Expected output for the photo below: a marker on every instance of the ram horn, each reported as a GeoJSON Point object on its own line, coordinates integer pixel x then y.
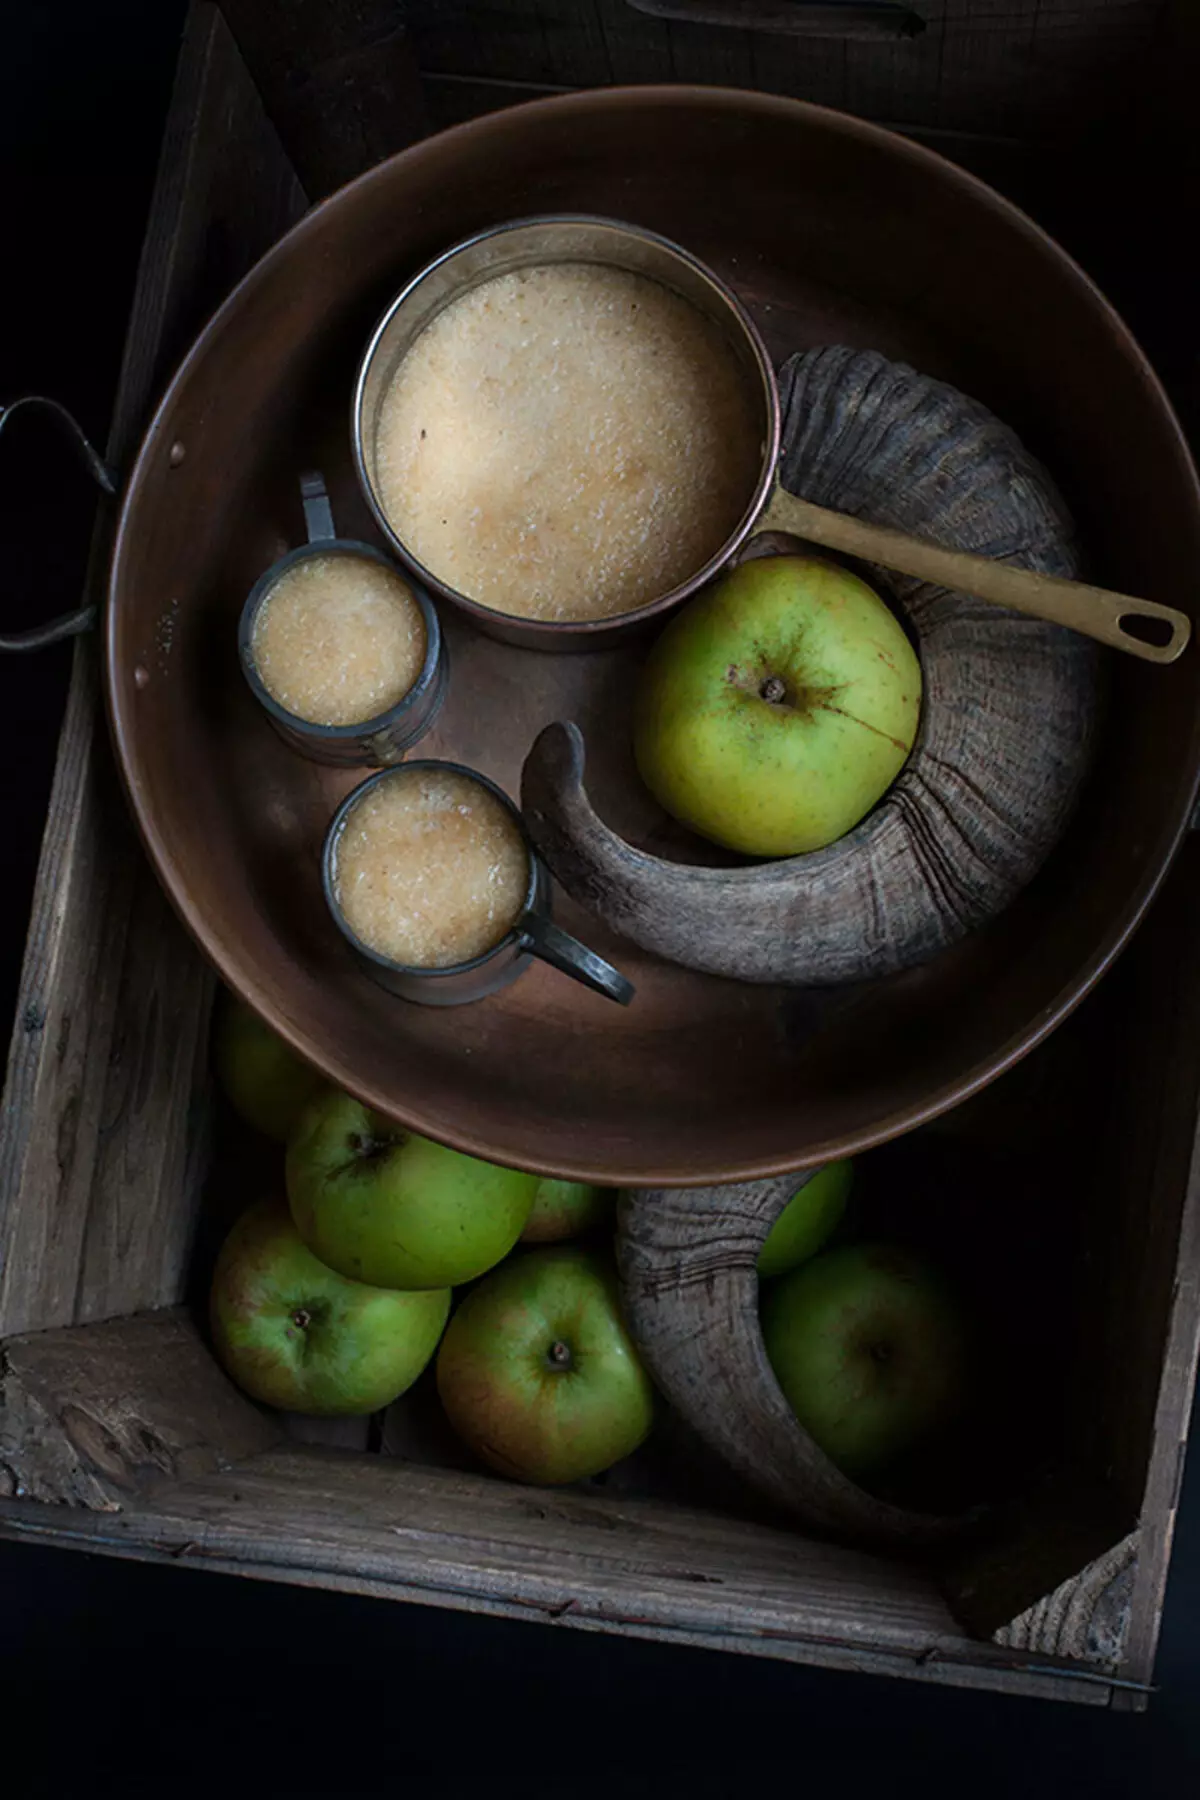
{"type": "Point", "coordinates": [1008, 716]}
{"type": "Point", "coordinates": [687, 1260]}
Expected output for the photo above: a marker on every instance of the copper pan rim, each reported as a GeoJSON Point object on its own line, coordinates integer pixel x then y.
{"type": "Point", "coordinates": [459, 1131]}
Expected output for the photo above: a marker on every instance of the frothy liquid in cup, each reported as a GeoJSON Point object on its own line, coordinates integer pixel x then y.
{"type": "Point", "coordinates": [567, 442]}
{"type": "Point", "coordinates": [430, 869]}
{"type": "Point", "coordinates": [338, 640]}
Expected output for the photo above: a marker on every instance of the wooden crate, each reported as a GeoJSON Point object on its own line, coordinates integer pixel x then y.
{"type": "Point", "coordinates": [1025, 69]}
{"type": "Point", "coordinates": [118, 1433]}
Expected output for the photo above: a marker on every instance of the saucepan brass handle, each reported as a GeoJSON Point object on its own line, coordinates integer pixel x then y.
{"type": "Point", "coordinates": [1143, 628]}
{"type": "Point", "coordinates": [72, 623]}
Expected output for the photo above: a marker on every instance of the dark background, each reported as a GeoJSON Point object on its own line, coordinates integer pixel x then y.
{"type": "Point", "coordinates": [153, 1680]}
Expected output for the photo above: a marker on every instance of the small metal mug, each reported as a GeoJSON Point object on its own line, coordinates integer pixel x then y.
{"type": "Point", "coordinates": [533, 933]}
{"type": "Point", "coordinates": [372, 743]}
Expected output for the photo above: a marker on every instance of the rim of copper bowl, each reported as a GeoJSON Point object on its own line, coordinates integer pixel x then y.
{"type": "Point", "coordinates": [578, 628]}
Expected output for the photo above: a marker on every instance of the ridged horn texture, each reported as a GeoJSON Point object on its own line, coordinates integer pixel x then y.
{"type": "Point", "coordinates": [1007, 725]}
{"type": "Point", "coordinates": [687, 1260]}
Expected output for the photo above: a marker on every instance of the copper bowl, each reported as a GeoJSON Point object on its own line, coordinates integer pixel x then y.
{"type": "Point", "coordinates": [827, 230]}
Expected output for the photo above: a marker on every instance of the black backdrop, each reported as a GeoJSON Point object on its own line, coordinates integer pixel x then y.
{"type": "Point", "coordinates": [165, 1680]}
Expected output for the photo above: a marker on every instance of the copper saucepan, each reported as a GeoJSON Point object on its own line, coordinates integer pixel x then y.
{"type": "Point", "coordinates": [1142, 628]}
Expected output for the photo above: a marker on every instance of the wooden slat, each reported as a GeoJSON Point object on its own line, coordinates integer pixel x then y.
{"type": "Point", "coordinates": [101, 1138]}
{"type": "Point", "coordinates": [339, 81]}
{"type": "Point", "coordinates": [813, 19]}
{"type": "Point", "coordinates": [1086, 1618]}
{"type": "Point", "coordinates": [1129, 1305]}
{"type": "Point", "coordinates": [1027, 68]}
{"type": "Point", "coordinates": [1169, 101]}
{"type": "Point", "coordinates": [723, 59]}
{"type": "Point", "coordinates": [330, 1434]}
{"type": "Point", "coordinates": [1159, 1257]}
{"type": "Point", "coordinates": [1133, 1377]}
{"type": "Point", "coordinates": [95, 1415]}
{"type": "Point", "coordinates": [634, 1567]}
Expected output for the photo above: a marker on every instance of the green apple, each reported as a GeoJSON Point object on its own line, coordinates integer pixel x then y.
{"type": "Point", "coordinates": [778, 707]}
{"type": "Point", "coordinates": [264, 1080]}
{"type": "Point", "coordinates": [869, 1351]}
{"type": "Point", "coordinates": [295, 1335]}
{"type": "Point", "coordinates": [565, 1209]}
{"type": "Point", "coordinates": [810, 1217]}
{"type": "Point", "coordinates": [537, 1372]}
{"type": "Point", "coordinates": [380, 1204]}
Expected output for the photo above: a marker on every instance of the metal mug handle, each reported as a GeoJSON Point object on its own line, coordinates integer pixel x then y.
{"type": "Point", "coordinates": [546, 940]}
{"type": "Point", "coordinates": [72, 623]}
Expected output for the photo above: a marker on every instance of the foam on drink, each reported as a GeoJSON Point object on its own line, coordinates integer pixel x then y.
{"type": "Point", "coordinates": [430, 869]}
{"type": "Point", "coordinates": [568, 441]}
{"type": "Point", "coordinates": [338, 640]}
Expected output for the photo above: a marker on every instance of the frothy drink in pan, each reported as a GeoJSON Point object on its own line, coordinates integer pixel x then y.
{"type": "Point", "coordinates": [567, 442]}
{"type": "Point", "coordinates": [338, 640]}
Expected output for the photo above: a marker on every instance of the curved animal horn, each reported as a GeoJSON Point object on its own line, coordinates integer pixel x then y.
{"type": "Point", "coordinates": [1007, 721]}
{"type": "Point", "coordinates": [687, 1259]}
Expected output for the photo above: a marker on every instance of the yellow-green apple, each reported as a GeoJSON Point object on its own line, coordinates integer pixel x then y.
{"type": "Point", "coordinates": [380, 1204]}
{"type": "Point", "coordinates": [869, 1350]}
{"type": "Point", "coordinates": [537, 1372]}
{"type": "Point", "coordinates": [296, 1335]}
{"type": "Point", "coordinates": [264, 1080]}
{"type": "Point", "coordinates": [810, 1217]}
{"type": "Point", "coordinates": [565, 1209]}
{"type": "Point", "coordinates": [777, 707]}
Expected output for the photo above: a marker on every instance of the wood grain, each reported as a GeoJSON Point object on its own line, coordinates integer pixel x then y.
{"type": "Point", "coordinates": [330, 1434]}
{"type": "Point", "coordinates": [1085, 1618]}
{"type": "Point", "coordinates": [843, 19]}
{"type": "Point", "coordinates": [97, 1414]}
{"type": "Point", "coordinates": [102, 1134]}
{"type": "Point", "coordinates": [1148, 1282]}
{"type": "Point", "coordinates": [340, 82]}
{"type": "Point", "coordinates": [639, 1568]}
{"type": "Point", "coordinates": [1041, 69]}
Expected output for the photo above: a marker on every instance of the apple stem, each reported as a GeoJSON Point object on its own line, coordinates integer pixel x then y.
{"type": "Point", "coordinates": [301, 1319]}
{"type": "Point", "coordinates": [559, 1354]}
{"type": "Point", "coordinates": [773, 689]}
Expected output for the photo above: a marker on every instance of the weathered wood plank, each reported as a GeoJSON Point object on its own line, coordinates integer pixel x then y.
{"type": "Point", "coordinates": [330, 1434]}
{"type": "Point", "coordinates": [373, 1525]}
{"type": "Point", "coordinates": [1086, 1618]}
{"type": "Point", "coordinates": [1039, 64]}
{"type": "Point", "coordinates": [1160, 1504]}
{"type": "Point", "coordinates": [1140, 1292]}
{"type": "Point", "coordinates": [838, 19]}
{"type": "Point", "coordinates": [101, 1137]}
{"type": "Point", "coordinates": [722, 58]}
{"type": "Point", "coordinates": [1129, 1314]}
{"type": "Point", "coordinates": [1046, 1544]}
{"type": "Point", "coordinates": [97, 1414]}
{"type": "Point", "coordinates": [340, 82]}
{"type": "Point", "coordinates": [1025, 68]}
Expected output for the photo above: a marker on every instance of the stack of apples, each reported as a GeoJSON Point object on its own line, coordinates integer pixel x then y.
{"type": "Point", "coordinates": [333, 1297]}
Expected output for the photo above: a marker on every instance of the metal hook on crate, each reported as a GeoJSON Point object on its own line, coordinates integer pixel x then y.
{"type": "Point", "coordinates": [72, 623]}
